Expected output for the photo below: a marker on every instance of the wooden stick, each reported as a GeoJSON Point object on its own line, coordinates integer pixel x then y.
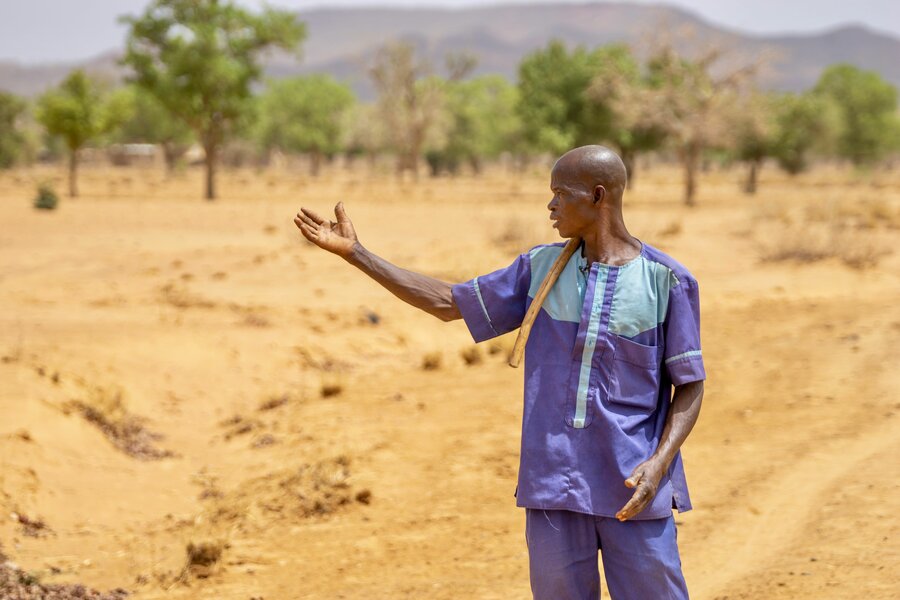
{"type": "Point", "coordinates": [519, 348]}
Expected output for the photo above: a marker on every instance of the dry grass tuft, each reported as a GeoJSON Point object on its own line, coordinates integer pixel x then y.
{"type": "Point", "coordinates": [820, 242]}
{"type": "Point", "coordinates": [274, 402]}
{"type": "Point", "coordinates": [180, 297]}
{"type": "Point", "coordinates": [308, 490]}
{"type": "Point", "coordinates": [203, 559]}
{"type": "Point", "coordinates": [671, 230]}
{"type": "Point", "coordinates": [239, 425]}
{"type": "Point", "coordinates": [106, 410]}
{"type": "Point", "coordinates": [31, 527]}
{"type": "Point", "coordinates": [331, 389]}
{"type": "Point", "coordinates": [517, 234]}
{"type": "Point", "coordinates": [844, 228]}
{"type": "Point", "coordinates": [16, 584]}
{"type": "Point", "coordinates": [431, 361]}
{"type": "Point", "coordinates": [472, 355]}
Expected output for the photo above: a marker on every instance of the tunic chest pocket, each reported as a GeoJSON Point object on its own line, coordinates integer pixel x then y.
{"type": "Point", "coordinates": [634, 374]}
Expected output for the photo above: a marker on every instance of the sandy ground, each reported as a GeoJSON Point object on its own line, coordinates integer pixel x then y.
{"type": "Point", "coordinates": [308, 443]}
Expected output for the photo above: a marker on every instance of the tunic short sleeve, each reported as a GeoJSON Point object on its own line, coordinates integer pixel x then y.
{"type": "Point", "coordinates": [683, 358]}
{"type": "Point", "coordinates": [494, 304]}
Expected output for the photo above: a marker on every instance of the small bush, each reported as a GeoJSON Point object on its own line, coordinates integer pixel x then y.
{"type": "Point", "coordinates": [331, 389]}
{"type": "Point", "coordinates": [471, 355]}
{"type": "Point", "coordinates": [46, 198]}
{"type": "Point", "coordinates": [431, 361]}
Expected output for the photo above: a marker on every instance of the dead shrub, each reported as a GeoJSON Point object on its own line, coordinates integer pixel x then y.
{"type": "Point", "coordinates": [840, 227]}
{"type": "Point", "coordinates": [672, 229]}
{"type": "Point", "coordinates": [815, 242]}
{"type": "Point", "coordinates": [106, 410]}
{"type": "Point", "coordinates": [31, 527]}
{"type": "Point", "coordinates": [180, 297]}
{"type": "Point", "coordinates": [472, 355]}
{"type": "Point", "coordinates": [203, 559]}
{"type": "Point", "coordinates": [331, 389]}
{"type": "Point", "coordinates": [431, 361]}
{"type": "Point", "coordinates": [274, 402]}
{"type": "Point", "coordinates": [517, 234]}
{"type": "Point", "coordinates": [308, 490]}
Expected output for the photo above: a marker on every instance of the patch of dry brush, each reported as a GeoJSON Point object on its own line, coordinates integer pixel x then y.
{"type": "Point", "coordinates": [106, 410]}
{"type": "Point", "coordinates": [308, 490]}
{"type": "Point", "coordinates": [847, 229]}
{"type": "Point", "coordinates": [17, 584]}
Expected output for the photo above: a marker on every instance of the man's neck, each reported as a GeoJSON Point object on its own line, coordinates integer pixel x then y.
{"type": "Point", "coordinates": [609, 242]}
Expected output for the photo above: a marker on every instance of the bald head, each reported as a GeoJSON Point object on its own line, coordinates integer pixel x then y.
{"type": "Point", "coordinates": [590, 166]}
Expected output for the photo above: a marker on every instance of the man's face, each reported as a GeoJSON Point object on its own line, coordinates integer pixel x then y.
{"type": "Point", "coordinates": [572, 208]}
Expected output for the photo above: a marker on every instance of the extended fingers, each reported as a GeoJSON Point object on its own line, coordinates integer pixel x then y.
{"type": "Point", "coordinates": [307, 231]}
{"type": "Point", "coordinates": [312, 215]}
{"type": "Point", "coordinates": [302, 218]}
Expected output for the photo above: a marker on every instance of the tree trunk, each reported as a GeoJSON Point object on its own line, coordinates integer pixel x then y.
{"type": "Point", "coordinates": [73, 173]}
{"type": "Point", "coordinates": [170, 155]}
{"type": "Point", "coordinates": [691, 161]}
{"type": "Point", "coordinates": [315, 162]}
{"type": "Point", "coordinates": [210, 171]}
{"type": "Point", "coordinates": [628, 158]}
{"type": "Point", "coordinates": [752, 175]}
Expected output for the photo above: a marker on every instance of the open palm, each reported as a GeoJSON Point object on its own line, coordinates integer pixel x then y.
{"type": "Point", "coordinates": [335, 236]}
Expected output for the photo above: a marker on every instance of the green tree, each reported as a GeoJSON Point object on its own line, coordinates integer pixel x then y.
{"type": "Point", "coordinates": [554, 107]}
{"type": "Point", "coordinates": [199, 58]}
{"type": "Point", "coordinates": [481, 123]}
{"type": "Point", "coordinates": [753, 131]}
{"type": "Point", "coordinates": [79, 111]}
{"type": "Point", "coordinates": [804, 124]}
{"type": "Point", "coordinates": [619, 75]}
{"type": "Point", "coordinates": [575, 98]}
{"type": "Point", "coordinates": [306, 115]}
{"type": "Point", "coordinates": [870, 126]}
{"type": "Point", "coordinates": [150, 122]}
{"type": "Point", "coordinates": [12, 139]}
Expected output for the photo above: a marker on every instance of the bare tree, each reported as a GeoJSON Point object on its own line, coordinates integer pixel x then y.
{"type": "Point", "coordinates": [411, 99]}
{"type": "Point", "coordinates": [690, 100]}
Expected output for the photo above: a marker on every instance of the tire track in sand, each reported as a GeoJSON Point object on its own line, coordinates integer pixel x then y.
{"type": "Point", "coordinates": [784, 510]}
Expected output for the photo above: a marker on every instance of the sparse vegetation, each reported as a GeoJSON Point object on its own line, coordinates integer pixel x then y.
{"type": "Point", "coordinates": [472, 355]}
{"type": "Point", "coordinates": [18, 584]}
{"type": "Point", "coordinates": [46, 198]}
{"type": "Point", "coordinates": [105, 409]}
{"type": "Point", "coordinates": [837, 229]}
{"type": "Point", "coordinates": [432, 361]}
{"type": "Point", "coordinates": [203, 558]}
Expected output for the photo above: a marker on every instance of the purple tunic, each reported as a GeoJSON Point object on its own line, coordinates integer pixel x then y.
{"type": "Point", "coordinates": [603, 354]}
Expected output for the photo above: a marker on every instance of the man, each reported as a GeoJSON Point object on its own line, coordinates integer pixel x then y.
{"type": "Point", "coordinates": [601, 434]}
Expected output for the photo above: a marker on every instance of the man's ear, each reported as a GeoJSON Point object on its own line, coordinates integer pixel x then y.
{"type": "Point", "coordinates": [599, 193]}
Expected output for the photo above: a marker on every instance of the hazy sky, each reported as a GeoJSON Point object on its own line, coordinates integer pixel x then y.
{"type": "Point", "coordinates": [53, 30]}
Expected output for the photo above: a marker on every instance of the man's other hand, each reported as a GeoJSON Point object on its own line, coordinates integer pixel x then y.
{"type": "Point", "coordinates": [645, 479]}
{"type": "Point", "coordinates": [335, 236]}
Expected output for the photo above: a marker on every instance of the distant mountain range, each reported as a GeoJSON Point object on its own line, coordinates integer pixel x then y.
{"type": "Point", "coordinates": [342, 42]}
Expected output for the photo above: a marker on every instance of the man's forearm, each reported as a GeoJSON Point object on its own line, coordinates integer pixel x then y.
{"type": "Point", "coordinates": [681, 418]}
{"type": "Point", "coordinates": [427, 293]}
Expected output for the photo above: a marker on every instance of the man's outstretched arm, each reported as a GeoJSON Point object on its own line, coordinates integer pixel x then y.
{"type": "Point", "coordinates": [339, 237]}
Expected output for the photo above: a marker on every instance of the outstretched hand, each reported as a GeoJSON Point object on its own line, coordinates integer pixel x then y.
{"type": "Point", "coordinates": [335, 236]}
{"type": "Point", "coordinates": [645, 479]}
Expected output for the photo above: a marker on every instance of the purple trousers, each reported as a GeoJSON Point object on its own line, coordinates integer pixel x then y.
{"type": "Point", "coordinates": [640, 557]}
